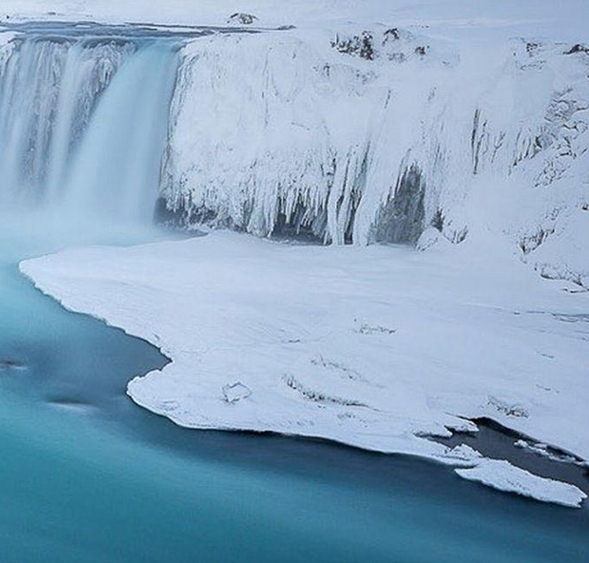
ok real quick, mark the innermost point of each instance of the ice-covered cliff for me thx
(376, 135)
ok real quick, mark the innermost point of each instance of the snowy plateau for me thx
(436, 155)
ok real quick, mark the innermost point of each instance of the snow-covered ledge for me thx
(373, 347)
(503, 476)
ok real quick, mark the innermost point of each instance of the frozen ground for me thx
(375, 347)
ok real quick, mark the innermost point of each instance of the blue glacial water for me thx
(85, 475)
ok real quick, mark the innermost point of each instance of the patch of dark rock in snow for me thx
(508, 409)
(359, 45)
(377, 329)
(401, 218)
(318, 396)
(577, 48)
(530, 243)
(241, 18)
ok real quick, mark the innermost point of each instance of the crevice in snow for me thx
(401, 218)
(318, 396)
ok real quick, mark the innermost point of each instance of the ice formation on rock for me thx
(377, 135)
(356, 135)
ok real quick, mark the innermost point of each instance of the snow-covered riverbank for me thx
(374, 347)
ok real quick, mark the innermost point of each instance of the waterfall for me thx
(83, 124)
(115, 173)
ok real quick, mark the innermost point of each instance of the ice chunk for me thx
(501, 475)
(235, 392)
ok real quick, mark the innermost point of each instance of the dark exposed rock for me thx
(367, 50)
(395, 44)
(241, 18)
(318, 396)
(401, 219)
(531, 47)
(302, 224)
(186, 216)
(458, 236)
(391, 34)
(357, 45)
(577, 48)
(437, 221)
(530, 243)
(397, 57)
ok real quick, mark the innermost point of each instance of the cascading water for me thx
(83, 123)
